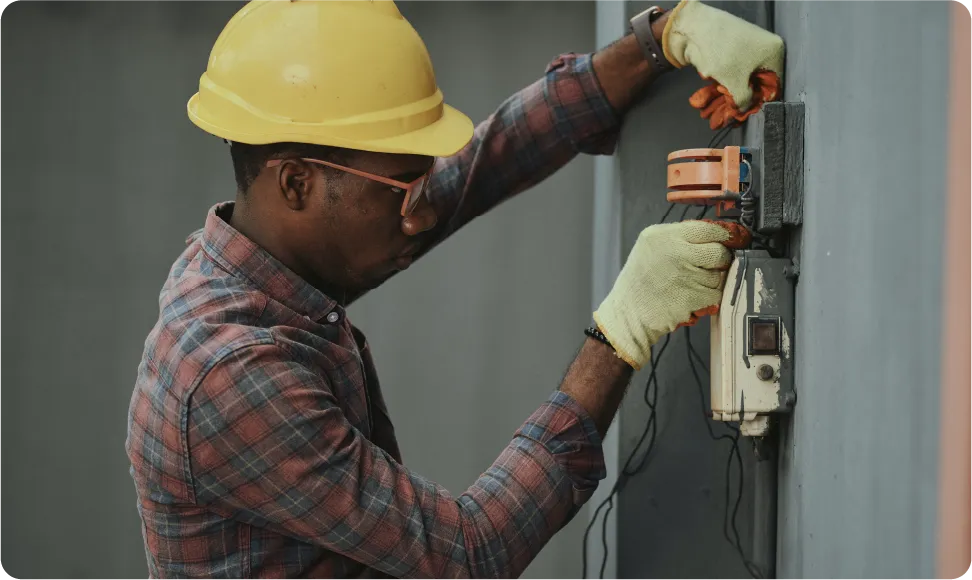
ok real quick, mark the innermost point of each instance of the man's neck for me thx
(244, 221)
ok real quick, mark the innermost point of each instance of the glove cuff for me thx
(625, 349)
(673, 41)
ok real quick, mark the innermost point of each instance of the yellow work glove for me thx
(722, 47)
(673, 271)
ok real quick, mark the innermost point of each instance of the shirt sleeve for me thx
(270, 446)
(531, 135)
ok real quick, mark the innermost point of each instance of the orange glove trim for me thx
(717, 105)
(739, 237)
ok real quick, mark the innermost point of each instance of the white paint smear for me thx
(758, 290)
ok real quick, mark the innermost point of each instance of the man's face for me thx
(349, 231)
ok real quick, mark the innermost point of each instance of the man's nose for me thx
(422, 219)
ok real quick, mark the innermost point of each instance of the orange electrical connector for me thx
(708, 177)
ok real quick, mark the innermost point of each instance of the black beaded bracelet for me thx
(595, 333)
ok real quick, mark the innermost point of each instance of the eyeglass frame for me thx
(408, 188)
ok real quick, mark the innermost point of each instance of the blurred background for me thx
(105, 177)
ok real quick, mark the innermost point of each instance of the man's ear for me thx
(296, 181)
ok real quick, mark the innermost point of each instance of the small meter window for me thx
(764, 335)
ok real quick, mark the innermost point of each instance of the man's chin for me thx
(377, 280)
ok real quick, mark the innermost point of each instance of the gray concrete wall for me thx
(859, 470)
(857, 493)
(103, 178)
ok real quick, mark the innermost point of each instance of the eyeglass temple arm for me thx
(378, 178)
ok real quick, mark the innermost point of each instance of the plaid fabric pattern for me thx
(533, 133)
(259, 441)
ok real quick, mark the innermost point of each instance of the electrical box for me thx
(760, 184)
(752, 343)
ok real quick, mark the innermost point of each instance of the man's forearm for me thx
(622, 69)
(597, 380)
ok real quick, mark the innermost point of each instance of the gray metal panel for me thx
(859, 464)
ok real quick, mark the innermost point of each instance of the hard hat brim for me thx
(443, 138)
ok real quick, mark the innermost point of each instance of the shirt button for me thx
(333, 317)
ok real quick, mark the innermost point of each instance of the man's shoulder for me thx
(203, 293)
(205, 313)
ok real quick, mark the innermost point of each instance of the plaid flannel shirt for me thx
(259, 441)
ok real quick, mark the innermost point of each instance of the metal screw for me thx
(792, 270)
(790, 399)
(765, 372)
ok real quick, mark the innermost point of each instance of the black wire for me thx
(704, 211)
(604, 544)
(698, 382)
(671, 206)
(652, 405)
(698, 359)
(728, 522)
(751, 566)
(651, 426)
(708, 426)
(721, 134)
(651, 399)
(591, 525)
(684, 213)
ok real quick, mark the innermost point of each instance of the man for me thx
(259, 441)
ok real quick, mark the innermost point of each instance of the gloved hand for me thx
(674, 273)
(716, 104)
(745, 61)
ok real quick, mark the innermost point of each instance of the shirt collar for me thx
(243, 258)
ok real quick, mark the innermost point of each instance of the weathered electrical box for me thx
(760, 184)
(751, 343)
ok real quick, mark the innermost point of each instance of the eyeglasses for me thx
(413, 191)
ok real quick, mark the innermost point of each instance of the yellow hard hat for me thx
(350, 74)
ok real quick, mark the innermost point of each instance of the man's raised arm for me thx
(270, 446)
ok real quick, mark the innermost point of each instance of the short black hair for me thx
(249, 160)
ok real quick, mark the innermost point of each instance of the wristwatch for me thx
(641, 27)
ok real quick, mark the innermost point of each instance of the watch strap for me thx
(641, 27)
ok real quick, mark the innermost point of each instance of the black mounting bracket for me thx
(775, 137)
